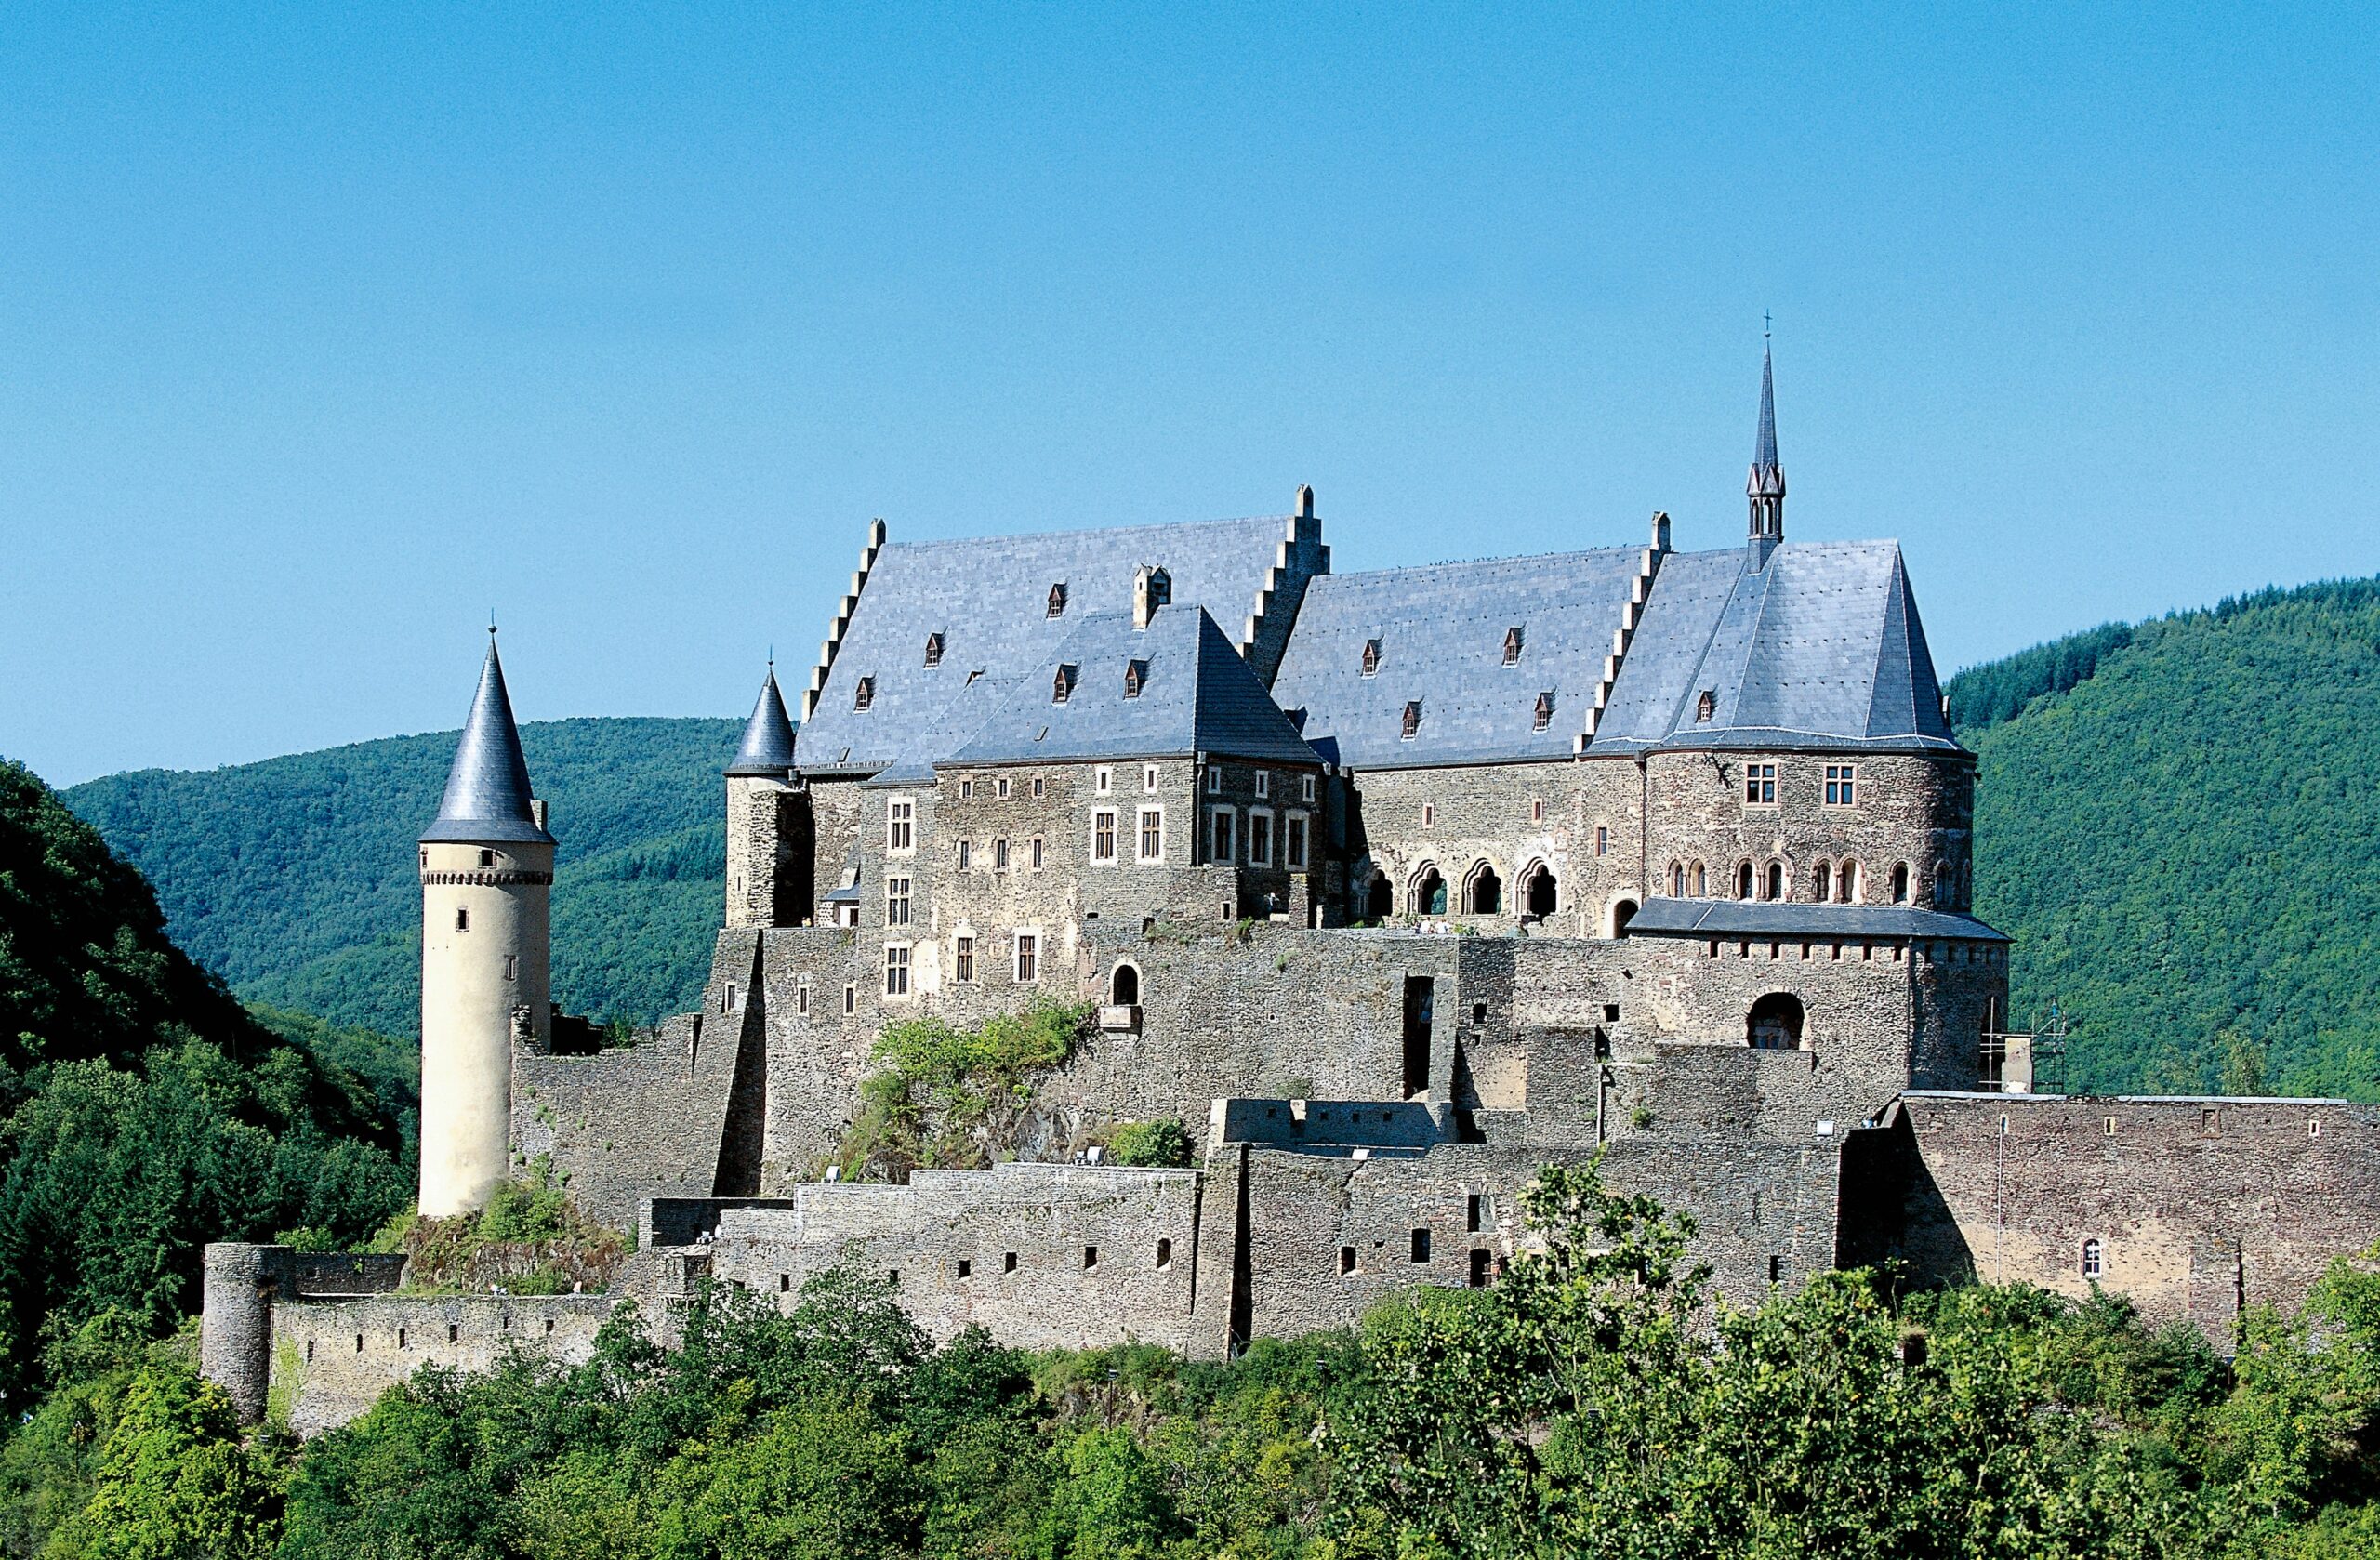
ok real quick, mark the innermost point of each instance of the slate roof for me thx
(1741, 917)
(1196, 695)
(487, 789)
(767, 748)
(1442, 631)
(989, 598)
(1822, 648)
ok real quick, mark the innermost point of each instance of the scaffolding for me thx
(2024, 1062)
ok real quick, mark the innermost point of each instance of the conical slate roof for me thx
(768, 739)
(487, 791)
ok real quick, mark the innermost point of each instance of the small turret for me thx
(768, 820)
(767, 748)
(1766, 487)
(487, 872)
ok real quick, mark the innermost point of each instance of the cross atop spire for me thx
(1765, 487)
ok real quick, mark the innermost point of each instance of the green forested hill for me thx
(294, 878)
(2173, 823)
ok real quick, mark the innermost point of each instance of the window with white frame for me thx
(1760, 785)
(1263, 782)
(802, 999)
(1260, 839)
(1028, 957)
(966, 790)
(1603, 839)
(1037, 788)
(1214, 779)
(1037, 851)
(896, 970)
(1103, 834)
(999, 855)
(963, 961)
(966, 854)
(1293, 840)
(897, 901)
(1221, 830)
(1148, 778)
(1305, 788)
(1842, 784)
(1103, 780)
(1000, 788)
(2094, 1260)
(851, 999)
(900, 825)
(1152, 834)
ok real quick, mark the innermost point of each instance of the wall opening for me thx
(1743, 879)
(1430, 892)
(1621, 914)
(1775, 1023)
(1420, 997)
(1539, 892)
(1776, 879)
(1347, 1263)
(1164, 1254)
(1124, 986)
(1380, 899)
(1487, 891)
(1421, 1246)
(1480, 1267)
(1471, 1213)
(1007, 1261)
(1090, 1258)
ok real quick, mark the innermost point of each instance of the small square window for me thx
(1760, 785)
(487, 858)
(1842, 783)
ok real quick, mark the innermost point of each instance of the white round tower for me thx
(488, 873)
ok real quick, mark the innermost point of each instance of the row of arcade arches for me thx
(1481, 892)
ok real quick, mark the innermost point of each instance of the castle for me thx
(1390, 886)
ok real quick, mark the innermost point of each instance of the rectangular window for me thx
(1102, 835)
(900, 826)
(851, 999)
(1260, 839)
(1214, 779)
(802, 999)
(966, 854)
(1263, 782)
(1306, 787)
(1421, 1246)
(1841, 782)
(1037, 849)
(963, 961)
(1429, 813)
(1028, 957)
(1037, 788)
(512, 967)
(1293, 841)
(966, 790)
(1218, 836)
(1148, 778)
(897, 901)
(1103, 780)
(1537, 810)
(1003, 787)
(1760, 785)
(1471, 1211)
(896, 971)
(1152, 834)
(1603, 841)
(999, 855)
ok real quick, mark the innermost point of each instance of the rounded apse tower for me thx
(488, 873)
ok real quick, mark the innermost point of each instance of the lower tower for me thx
(487, 872)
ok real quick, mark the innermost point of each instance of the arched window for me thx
(1621, 914)
(1485, 893)
(1379, 902)
(1430, 892)
(1823, 875)
(1743, 881)
(1775, 1023)
(1900, 882)
(1847, 883)
(1700, 883)
(2093, 1264)
(1678, 880)
(1776, 879)
(1124, 986)
(1941, 885)
(1537, 892)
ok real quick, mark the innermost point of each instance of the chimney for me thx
(1152, 588)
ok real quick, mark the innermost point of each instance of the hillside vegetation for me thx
(293, 879)
(2172, 824)
(143, 1111)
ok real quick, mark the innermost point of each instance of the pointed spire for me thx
(487, 791)
(1765, 487)
(768, 737)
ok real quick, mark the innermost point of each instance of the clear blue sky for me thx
(323, 330)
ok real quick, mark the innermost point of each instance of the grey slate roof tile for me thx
(767, 748)
(487, 789)
(1784, 918)
(988, 598)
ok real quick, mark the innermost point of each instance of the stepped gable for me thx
(989, 599)
(1820, 648)
(1442, 632)
(1195, 695)
(487, 799)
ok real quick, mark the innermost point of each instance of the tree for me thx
(174, 1482)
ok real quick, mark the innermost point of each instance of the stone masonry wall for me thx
(333, 1359)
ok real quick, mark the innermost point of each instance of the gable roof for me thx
(989, 598)
(487, 799)
(1196, 695)
(1821, 648)
(1442, 634)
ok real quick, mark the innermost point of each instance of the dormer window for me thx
(1062, 687)
(1412, 719)
(1512, 646)
(864, 693)
(1058, 598)
(933, 650)
(1371, 656)
(1545, 710)
(1135, 673)
(1706, 704)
